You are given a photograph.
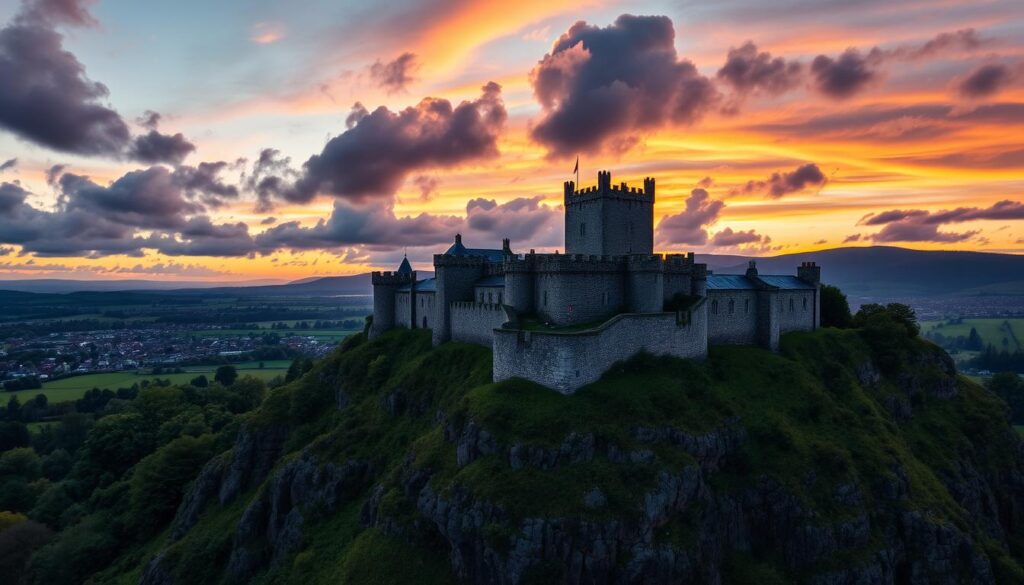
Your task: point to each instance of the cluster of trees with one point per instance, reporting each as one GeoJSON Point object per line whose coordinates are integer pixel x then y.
{"type": "Point", "coordinates": [24, 383]}
{"type": "Point", "coordinates": [971, 342]}
{"type": "Point", "coordinates": [999, 360]}
{"type": "Point", "coordinates": [1010, 387]}
{"type": "Point", "coordinates": [76, 494]}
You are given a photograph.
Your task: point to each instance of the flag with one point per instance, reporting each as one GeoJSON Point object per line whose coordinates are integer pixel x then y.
{"type": "Point", "coordinates": [576, 168]}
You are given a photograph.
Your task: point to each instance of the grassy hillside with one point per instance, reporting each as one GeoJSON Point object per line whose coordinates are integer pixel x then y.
{"type": "Point", "coordinates": [842, 456]}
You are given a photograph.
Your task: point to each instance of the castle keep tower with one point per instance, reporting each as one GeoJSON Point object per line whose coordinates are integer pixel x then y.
{"type": "Point", "coordinates": [610, 220]}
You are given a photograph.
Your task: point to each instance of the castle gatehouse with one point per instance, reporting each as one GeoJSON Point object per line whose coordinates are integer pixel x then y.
{"type": "Point", "coordinates": [562, 320]}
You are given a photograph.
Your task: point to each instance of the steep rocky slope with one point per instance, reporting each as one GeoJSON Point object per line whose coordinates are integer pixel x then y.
{"type": "Point", "coordinates": [394, 462]}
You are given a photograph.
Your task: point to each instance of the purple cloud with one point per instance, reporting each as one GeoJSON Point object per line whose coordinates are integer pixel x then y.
{"type": "Point", "coordinates": [690, 225]}
{"type": "Point", "coordinates": [600, 88]}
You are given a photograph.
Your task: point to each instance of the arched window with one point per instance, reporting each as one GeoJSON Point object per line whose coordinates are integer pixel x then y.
{"type": "Point", "coordinates": [732, 306]}
{"type": "Point", "coordinates": [421, 301]}
{"type": "Point", "coordinates": [583, 229]}
{"type": "Point", "coordinates": [499, 298]}
{"type": "Point", "coordinates": [545, 298]}
{"type": "Point", "coordinates": [425, 322]}
{"type": "Point", "coordinates": [790, 305]}
{"type": "Point", "coordinates": [714, 307]}
{"type": "Point", "coordinates": [746, 306]}
{"type": "Point", "coordinates": [604, 298]}
{"type": "Point", "coordinates": [805, 303]}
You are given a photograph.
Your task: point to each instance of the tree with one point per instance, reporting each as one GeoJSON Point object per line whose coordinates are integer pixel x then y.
{"type": "Point", "coordinates": [14, 434]}
{"type": "Point", "coordinates": [17, 543]}
{"type": "Point", "coordinates": [974, 342]}
{"type": "Point", "coordinates": [835, 310]}
{"type": "Point", "coordinates": [1009, 387]}
{"type": "Point", "coordinates": [200, 381]}
{"type": "Point", "coordinates": [226, 375]}
{"type": "Point", "coordinates": [14, 408]}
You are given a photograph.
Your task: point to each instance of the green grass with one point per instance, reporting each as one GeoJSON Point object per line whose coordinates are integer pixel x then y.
{"type": "Point", "coordinates": [320, 334]}
{"type": "Point", "coordinates": [991, 331]}
{"type": "Point", "coordinates": [75, 387]}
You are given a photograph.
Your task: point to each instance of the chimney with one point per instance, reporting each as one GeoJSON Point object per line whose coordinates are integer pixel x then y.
{"type": "Point", "coordinates": [809, 272]}
{"type": "Point", "coordinates": [506, 247]}
{"type": "Point", "coordinates": [458, 239]}
{"type": "Point", "coordinates": [752, 268]}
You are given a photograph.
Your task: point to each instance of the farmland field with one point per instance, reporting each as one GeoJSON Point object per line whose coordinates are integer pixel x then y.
{"type": "Point", "coordinates": [320, 334]}
{"type": "Point", "coordinates": [75, 387]}
{"type": "Point", "coordinates": [992, 331]}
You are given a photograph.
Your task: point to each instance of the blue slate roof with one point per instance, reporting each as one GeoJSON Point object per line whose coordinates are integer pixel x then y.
{"type": "Point", "coordinates": [786, 282]}
{"type": "Point", "coordinates": [457, 249]}
{"type": "Point", "coordinates": [741, 282]}
{"type": "Point", "coordinates": [405, 267]}
{"type": "Point", "coordinates": [729, 282]}
{"type": "Point", "coordinates": [428, 285]}
{"type": "Point", "coordinates": [498, 280]}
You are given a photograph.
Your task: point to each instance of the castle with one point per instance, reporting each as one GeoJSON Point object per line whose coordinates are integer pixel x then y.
{"type": "Point", "coordinates": [562, 319]}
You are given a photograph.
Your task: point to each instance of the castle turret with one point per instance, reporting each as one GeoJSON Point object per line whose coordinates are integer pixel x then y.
{"type": "Point", "coordinates": [809, 272]}
{"type": "Point", "coordinates": [385, 284]}
{"type": "Point", "coordinates": [609, 220]}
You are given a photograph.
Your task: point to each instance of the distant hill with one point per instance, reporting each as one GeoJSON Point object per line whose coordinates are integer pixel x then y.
{"type": "Point", "coordinates": [877, 271]}
{"type": "Point", "coordinates": [69, 285]}
{"type": "Point", "coordinates": [894, 272]}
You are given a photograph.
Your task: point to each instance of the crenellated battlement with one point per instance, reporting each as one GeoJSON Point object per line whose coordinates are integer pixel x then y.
{"type": "Point", "coordinates": [392, 278]}
{"type": "Point", "coordinates": [604, 188]}
{"type": "Point", "coordinates": [448, 260]}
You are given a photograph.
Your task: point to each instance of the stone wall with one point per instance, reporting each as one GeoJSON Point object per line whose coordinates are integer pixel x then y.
{"type": "Point", "coordinates": [566, 361]}
{"type": "Point", "coordinates": [738, 327]}
{"type": "Point", "coordinates": [426, 310]}
{"type": "Point", "coordinates": [567, 298]}
{"type": "Point", "coordinates": [796, 310]}
{"type": "Point", "coordinates": [455, 277]}
{"type": "Point", "coordinates": [403, 312]}
{"type": "Point", "coordinates": [475, 322]}
{"type": "Point", "coordinates": [584, 226]}
{"type": "Point", "coordinates": [492, 295]}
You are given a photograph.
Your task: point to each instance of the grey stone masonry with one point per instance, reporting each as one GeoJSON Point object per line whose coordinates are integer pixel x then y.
{"type": "Point", "coordinates": [476, 322]}
{"type": "Point", "coordinates": [566, 361]}
{"type": "Point", "coordinates": [562, 319]}
{"type": "Point", "coordinates": [609, 219]}
{"type": "Point", "coordinates": [385, 284]}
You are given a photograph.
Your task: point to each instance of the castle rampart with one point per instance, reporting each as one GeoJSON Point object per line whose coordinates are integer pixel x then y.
{"type": "Point", "coordinates": [566, 361]}
{"type": "Point", "coordinates": [618, 296]}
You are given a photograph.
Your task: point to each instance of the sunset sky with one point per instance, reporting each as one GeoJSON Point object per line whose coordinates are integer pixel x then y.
{"type": "Point", "coordinates": [242, 140]}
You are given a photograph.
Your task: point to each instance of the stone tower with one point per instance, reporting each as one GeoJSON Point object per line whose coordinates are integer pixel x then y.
{"type": "Point", "coordinates": [609, 219]}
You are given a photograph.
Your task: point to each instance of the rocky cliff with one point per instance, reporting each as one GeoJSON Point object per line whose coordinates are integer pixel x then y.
{"type": "Point", "coordinates": [395, 462]}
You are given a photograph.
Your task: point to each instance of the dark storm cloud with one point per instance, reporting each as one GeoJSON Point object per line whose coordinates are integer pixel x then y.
{"type": "Point", "coordinates": [394, 75]}
{"type": "Point", "coordinates": [985, 81]}
{"type": "Point", "coordinates": [918, 225]}
{"type": "Point", "coordinates": [148, 198]}
{"type": "Point", "coordinates": [847, 74]}
{"type": "Point", "coordinates": [46, 97]}
{"type": "Point", "coordinates": [11, 197]}
{"type": "Point", "coordinates": [154, 147]}
{"type": "Point", "coordinates": [372, 224]}
{"type": "Point", "coordinates": [373, 157]}
{"type": "Point", "coordinates": [600, 88]}
{"type": "Point", "coordinates": [729, 238]}
{"type": "Point", "coordinates": [375, 224]}
{"type": "Point", "coordinates": [781, 184]}
{"type": "Point", "coordinates": [149, 120]}
{"type": "Point", "coordinates": [203, 182]}
{"type": "Point", "coordinates": [201, 237]}
{"type": "Point", "coordinates": [94, 220]}
{"type": "Point", "coordinates": [690, 226]}
{"type": "Point", "coordinates": [521, 219]}
{"type": "Point", "coordinates": [8, 164]}
{"type": "Point", "coordinates": [747, 70]}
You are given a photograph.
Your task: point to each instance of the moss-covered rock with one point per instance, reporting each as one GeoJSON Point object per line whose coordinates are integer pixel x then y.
{"type": "Point", "coordinates": [395, 462]}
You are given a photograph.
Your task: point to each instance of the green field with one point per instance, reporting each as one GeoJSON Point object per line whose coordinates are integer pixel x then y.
{"type": "Point", "coordinates": [992, 331]}
{"type": "Point", "coordinates": [75, 387]}
{"type": "Point", "coordinates": [320, 334]}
